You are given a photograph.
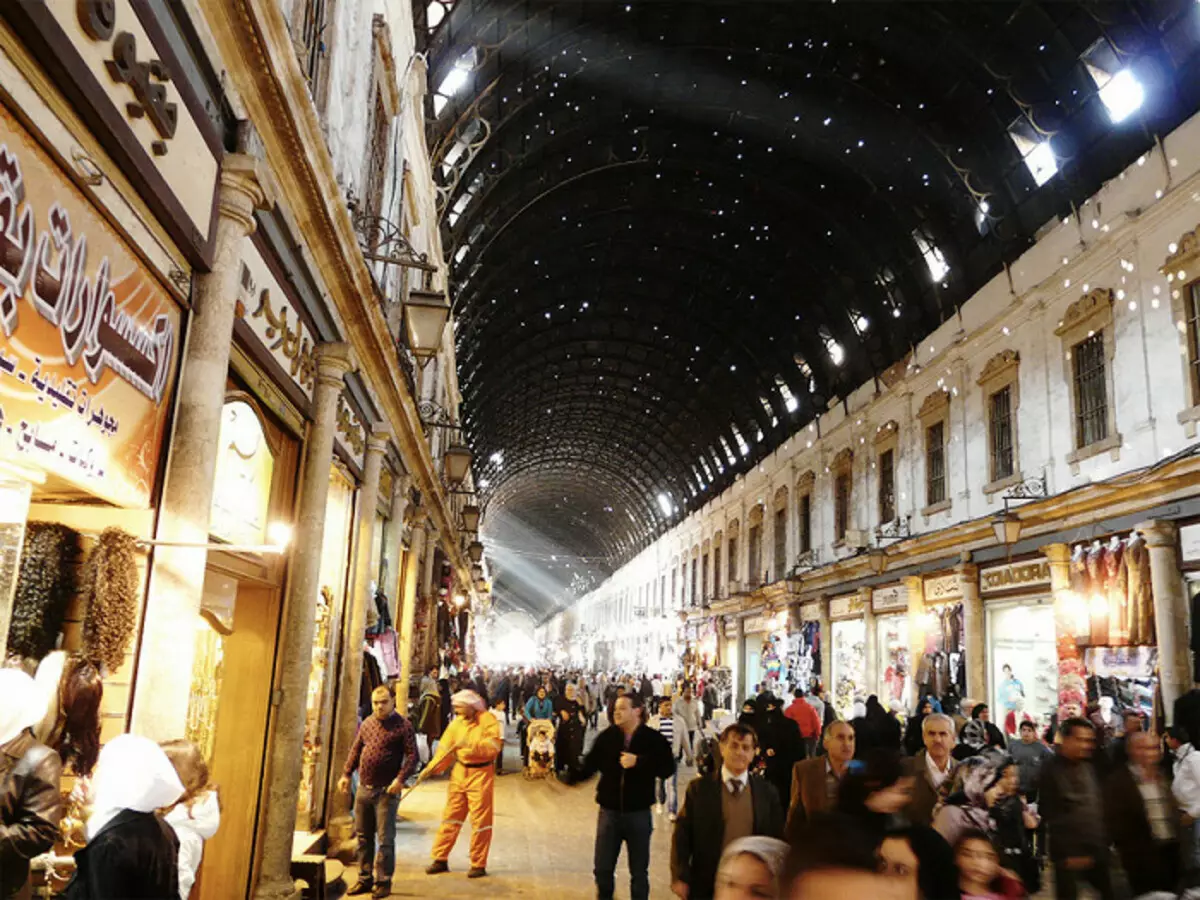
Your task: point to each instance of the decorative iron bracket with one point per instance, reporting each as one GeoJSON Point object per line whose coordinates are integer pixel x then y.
{"type": "Point", "coordinates": [433, 415]}
{"type": "Point", "coordinates": [896, 530]}
{"type": "Point", "coordinates": [806, 562]}
{"type": "Point", "coordinates": [1029, 489]}
{"type": "Point", "coordinates": [381, 240]}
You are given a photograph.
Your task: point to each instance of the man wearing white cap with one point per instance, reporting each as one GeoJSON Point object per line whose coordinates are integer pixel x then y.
{"type": "Point", "coordinates": [470, 744]}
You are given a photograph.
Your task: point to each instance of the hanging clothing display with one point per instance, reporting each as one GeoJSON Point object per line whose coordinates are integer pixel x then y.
{"type": "Point", "coordinates": [1113, 582]}
{"type": "Point", "coordinates": [805, 664]}
{"type": "Point", "coordinates": [942, 669]}
{"type": "Point", "coordinates": [384, 647]}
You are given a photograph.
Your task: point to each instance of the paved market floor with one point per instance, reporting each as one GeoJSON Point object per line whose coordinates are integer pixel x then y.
{"type": "Point", "coordinates": [542, 846]}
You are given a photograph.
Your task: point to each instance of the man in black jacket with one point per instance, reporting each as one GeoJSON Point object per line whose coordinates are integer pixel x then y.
{"type": "Point", "coordinates": [629, 757]}
{"type": "Point", "coordinates": [717, 810]}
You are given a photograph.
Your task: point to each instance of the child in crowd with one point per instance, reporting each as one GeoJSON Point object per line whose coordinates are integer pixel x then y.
{"type": "Point", "coordinates": [196, 815]}
{"type": "Point", "coordinates": [979, 874]}
{"type": "Point", "coordinates": [541, 748]}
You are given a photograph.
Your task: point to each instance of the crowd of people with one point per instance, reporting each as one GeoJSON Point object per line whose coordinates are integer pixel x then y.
{"type": "Point", "coordinates": [789, 800]}
{"type": "Point", "coordinates": [139, 814]}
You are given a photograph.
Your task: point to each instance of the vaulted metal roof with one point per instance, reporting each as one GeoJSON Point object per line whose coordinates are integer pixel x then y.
{"type": "Point", "coordinates": [678, 230]}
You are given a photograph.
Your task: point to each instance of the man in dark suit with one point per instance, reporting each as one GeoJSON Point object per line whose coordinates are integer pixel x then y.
{"type": "Point", "coordinates": [932, 768]}
{"type": "Point", "coordinates": [717, 810]}
{"type": "Point", "coordinates": [815, 781]}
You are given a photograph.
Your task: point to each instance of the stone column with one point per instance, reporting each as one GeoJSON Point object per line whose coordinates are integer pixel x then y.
{"type": "Point", "coordinates": [299, 625]}
{"type": "Point", "coordinates": [739, 673]}
{"type": "Point", "coordinates": [429, 594]}
{"type": "Point", "coordinates": [393, 550]}
{"type": "Point", "coordinates": [1059, 558]}
{"type": "Point", "coordinates": [968, 577]}
{"type": "Point", "coordinates": [914, 586]}
{"type": "Point", "coordinates": [825, 625]}
{"type": "Point", "coordinates": [1171, 615]}
{"type": "Point", "coordinates": [408, 608]}
{"type": "Point", "coordinates": [345, 719]}
{"type": "Point", "coordinates": [870, 644]}
{"type": "Point", "coordinates": [431, 543]}
{"type": "Point", "coordinates": [177, 573]}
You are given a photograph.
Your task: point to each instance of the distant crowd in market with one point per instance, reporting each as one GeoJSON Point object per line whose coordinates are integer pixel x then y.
{"type": "Point", "coordinates": [788, 799]}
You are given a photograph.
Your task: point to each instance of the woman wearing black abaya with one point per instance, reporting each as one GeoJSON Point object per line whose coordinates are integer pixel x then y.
{"type": "Point", "coordinates": [914, 738]}
{"type": "Point", "coordinates": [780, 743]}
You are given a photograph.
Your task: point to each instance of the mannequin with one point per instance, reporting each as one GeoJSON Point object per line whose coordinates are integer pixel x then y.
{"type": "Point", "coordinates": [1106, 723]}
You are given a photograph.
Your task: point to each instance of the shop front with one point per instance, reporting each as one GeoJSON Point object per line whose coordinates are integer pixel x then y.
{"type": "Point", "coordinates": [893, 683]}
{"type": "Point", "coordinates": [1021, 655]}
{"type": "Point", "coordinates": [804, 664]}
{"type": "Point", "coordinates": [848, 640]}
{"type": "Point", "coordinates": [1108, 636]}
{"type": "Point", "coordinates": [765, 654]}
{"type": "Point", "coordinates": [941, 670]}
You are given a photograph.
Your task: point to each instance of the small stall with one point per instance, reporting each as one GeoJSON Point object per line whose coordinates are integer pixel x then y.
{"type": "Point", "coordinates": [849, 648]}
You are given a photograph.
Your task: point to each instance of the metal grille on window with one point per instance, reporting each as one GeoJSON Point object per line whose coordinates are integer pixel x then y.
{"type": "Point", "coordinates": [841, 506]}
{"type": "Point", "coordinates": [1193, 329]}
{"type": "Point", "coordinates": [1091, 391]}
{"type": "Point", "coordinates": [704, 578]}
{"type": "Point", "coordinates": [887, 487]}
{"type": "Point", "coordinates": [695, 573]}
{"type": "Point", "coordinates": [312, 31]}
{"type": "Point", "coordinates": [805, 523]}
{"type": "Point", "coordinates": [717, 573]}
{"type": "Point", "coordinates": [377, 165]}
{"type": "Point", "coordinates": [733, 568]}
{"type": "Point", "coordinates": [1000, 426]}
{"type": "Point", "coordinates": [780, 544]}
{"type": "Point", "coordinates": [935, 464]}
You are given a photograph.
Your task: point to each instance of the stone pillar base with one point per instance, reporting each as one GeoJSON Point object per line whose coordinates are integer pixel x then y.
{"type": "Point", "coordinates": [339, 830]}
{"type": "Point", "coordinates": [277, 890]}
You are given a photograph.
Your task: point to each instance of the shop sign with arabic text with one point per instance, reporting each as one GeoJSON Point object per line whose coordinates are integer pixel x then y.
{"type": "Point", "coordinates": [272, 317]}
{"type": "Point", "coordinates": [88, 338]}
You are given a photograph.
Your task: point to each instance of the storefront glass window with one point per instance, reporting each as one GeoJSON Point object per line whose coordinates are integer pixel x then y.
{"type": "Point", "coordinates": [895, 672]}
{"type": "Point", "coordinates": [1022, 663]}
{"type": "Point", "coordinates": [849, 665]}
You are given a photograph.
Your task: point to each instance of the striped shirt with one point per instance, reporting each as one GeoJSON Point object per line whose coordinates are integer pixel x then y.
{"type": "Point", "coordinates": [666, 727]}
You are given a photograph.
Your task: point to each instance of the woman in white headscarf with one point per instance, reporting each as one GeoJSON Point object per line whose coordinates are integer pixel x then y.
{"type": "Point", "coordinates": [131, 852]}
{"type": "Point", "coordinates": [30, 805]}
{"type": "Point", "coordinates": [750, 869]}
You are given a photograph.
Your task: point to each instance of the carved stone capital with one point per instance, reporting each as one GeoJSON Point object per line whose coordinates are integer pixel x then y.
{"type": "Point", "coordinates": [334, 360]}
{"type": "Point", "coordinates": [245, 186]}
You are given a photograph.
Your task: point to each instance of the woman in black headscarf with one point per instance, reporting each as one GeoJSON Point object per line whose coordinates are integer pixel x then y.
{"type": "Point", "coordinates": [914, 738]}
{"type": "Point", "coordinates": [779, 741]}
{"type": "Point", "coordinates": [879, 730]}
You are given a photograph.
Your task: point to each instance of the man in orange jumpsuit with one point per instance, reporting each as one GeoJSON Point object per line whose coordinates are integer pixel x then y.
{"type": "Point", "coordinates": [470, 744]}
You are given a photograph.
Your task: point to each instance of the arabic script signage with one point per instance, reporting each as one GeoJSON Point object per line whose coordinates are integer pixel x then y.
{"type": "Point", "coordinates": [115, 57]}
{"type": "Point", "coordinates": [890, 599]}
{"type": "Point", "coordinates": [1016, 575]}
{"type": "Point", "coordinates": [88, 338]}
{"type": "Point", "coordinates": [264, 306]}
{"type": "Point", "coordinates": [940, 588]}
{"type": "Point", "coordinates": [848, 605]}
